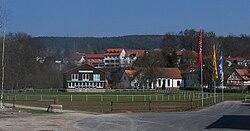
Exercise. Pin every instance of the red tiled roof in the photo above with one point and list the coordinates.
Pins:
(138, 53)
(238, 59)
(130, 73)
(114, 50)
(95, 61)
(244, 73)
(111, 54)
(174, 73)
(95, 56)
(186, 53)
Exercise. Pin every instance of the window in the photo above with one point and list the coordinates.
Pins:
(178, 83)
(159, 82)
(85, 76)
(124, 78)
(112, 61)
(96, 77)
(168, 82)
(74, 76)
(106, 61)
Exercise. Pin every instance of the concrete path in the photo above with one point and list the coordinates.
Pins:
(229, 115)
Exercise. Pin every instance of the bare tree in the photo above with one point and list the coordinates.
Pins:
(3, 24)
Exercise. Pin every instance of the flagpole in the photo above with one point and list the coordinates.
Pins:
(222, 78)
(202, 93)
(201, 69)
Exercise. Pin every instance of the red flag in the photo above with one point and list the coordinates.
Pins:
(200, 49)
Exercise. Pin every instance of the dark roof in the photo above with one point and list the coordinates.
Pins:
(82, 66)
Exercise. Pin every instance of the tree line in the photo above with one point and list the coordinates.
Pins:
(23, 71)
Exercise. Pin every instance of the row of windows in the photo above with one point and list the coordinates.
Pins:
(85, 84)
(96, 77)
(111, 56)
(168, 82)
(112, 61)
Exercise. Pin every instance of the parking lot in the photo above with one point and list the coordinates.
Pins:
(229, 115)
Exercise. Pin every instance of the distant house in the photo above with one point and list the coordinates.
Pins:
(96, 60)
(114, 58)
(240, 61)
(127, 79)
(78, 58)
(85, 78)
(167, 78)
(192, 76)
(132, 56)
(239, 77)
(186, 56)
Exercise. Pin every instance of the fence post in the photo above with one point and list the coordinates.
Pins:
(117, 98)
(191, 104)
(86, 98)
(144, 97)
(41, 97)
(132, 98)
(174, 97)
(14, 102)
(55, 100)
(168, 97)
(102, 98)
(156, 98)
(149, 106)
(162, 97)
(111, 106)
(71, 99)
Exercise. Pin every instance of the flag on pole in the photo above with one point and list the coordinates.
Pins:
(220, 68)
(200, 49)
(215, 64)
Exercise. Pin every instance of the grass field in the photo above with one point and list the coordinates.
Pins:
(122, 101)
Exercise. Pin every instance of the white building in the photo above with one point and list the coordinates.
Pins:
(166, 78)
(114, 58)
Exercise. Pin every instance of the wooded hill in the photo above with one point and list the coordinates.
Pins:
(99, 45)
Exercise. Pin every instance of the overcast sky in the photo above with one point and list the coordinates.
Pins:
(126, 17)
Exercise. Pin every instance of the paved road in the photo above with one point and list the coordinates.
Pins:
(230, 115)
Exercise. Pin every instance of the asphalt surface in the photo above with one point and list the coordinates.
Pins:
(229, 115)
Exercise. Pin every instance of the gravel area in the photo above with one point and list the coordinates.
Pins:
(14, 120)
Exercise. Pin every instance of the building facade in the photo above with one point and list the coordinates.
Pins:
(96, 60)
(239, 77)
(85, 78)
(166, 78)
(114, 58)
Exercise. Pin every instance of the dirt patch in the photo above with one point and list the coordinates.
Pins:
(11, 120)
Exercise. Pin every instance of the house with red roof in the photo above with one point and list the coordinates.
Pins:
(96, 60)
(132, 56)
(85, 78)
(114, 58)
(78, 58)
(241, 61)
(186, 57)
(166, 78)
(239, 78)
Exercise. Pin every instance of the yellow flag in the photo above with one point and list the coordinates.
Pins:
(215, 64)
